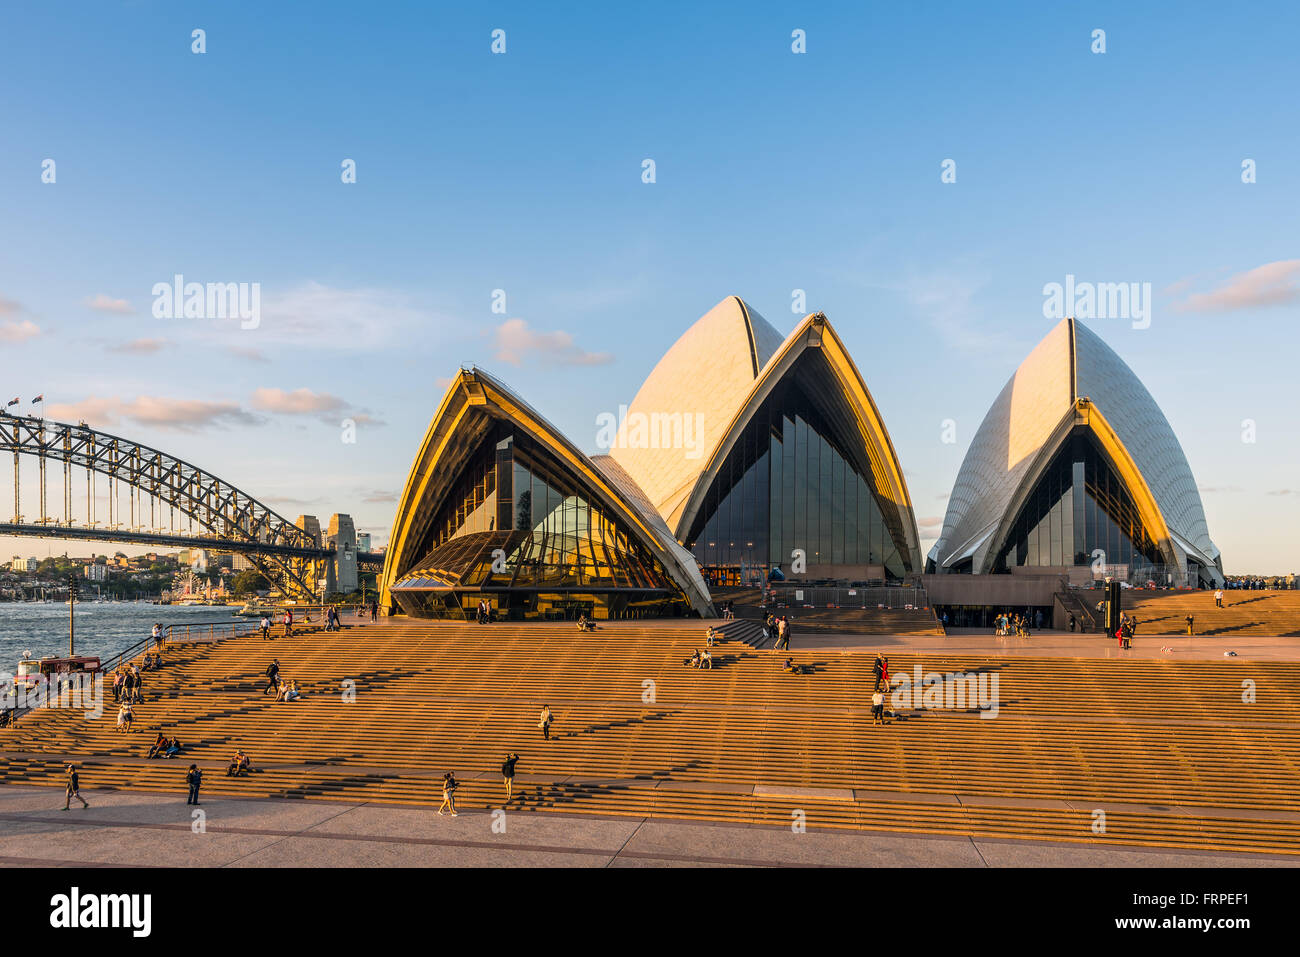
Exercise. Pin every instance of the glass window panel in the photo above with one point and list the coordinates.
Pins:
(775, 519)
(801, 538)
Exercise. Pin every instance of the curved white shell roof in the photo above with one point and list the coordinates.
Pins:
(706, 376)
(1071, 362)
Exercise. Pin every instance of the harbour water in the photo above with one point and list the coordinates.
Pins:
(103, 628)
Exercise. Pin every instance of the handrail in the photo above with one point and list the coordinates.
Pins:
(235, 628)
(1081, 610)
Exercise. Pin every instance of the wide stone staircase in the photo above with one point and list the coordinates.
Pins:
(1163, 753)
(821, 621)
(1245, 613)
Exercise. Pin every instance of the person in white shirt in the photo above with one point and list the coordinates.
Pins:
(878, 707)
(1218, 597)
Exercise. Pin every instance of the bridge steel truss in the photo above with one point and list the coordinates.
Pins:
(286, 554)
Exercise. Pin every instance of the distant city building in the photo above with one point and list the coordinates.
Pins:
(96, 573)
(23, 565)
(240, 563)
(363, 541)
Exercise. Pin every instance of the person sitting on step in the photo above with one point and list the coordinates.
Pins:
(173, 748)
(239, 765)
(706, 659)
(160, 745)
(291, 693)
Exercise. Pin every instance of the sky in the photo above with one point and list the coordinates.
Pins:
(522, 171)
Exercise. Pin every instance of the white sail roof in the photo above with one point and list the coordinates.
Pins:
(1070, 363)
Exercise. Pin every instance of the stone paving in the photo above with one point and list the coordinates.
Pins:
(136, 829)
(1055, 644)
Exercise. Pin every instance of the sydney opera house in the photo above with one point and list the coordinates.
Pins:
(741, 447)
(748, 455)
(1075, 466)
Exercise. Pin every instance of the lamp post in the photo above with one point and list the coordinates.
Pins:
(74, 591)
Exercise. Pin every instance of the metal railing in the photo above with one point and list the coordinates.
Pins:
(187, 631)
(875, 596)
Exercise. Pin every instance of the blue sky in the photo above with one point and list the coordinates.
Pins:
(522, 172)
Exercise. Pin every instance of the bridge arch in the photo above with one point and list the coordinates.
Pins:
(286, 554)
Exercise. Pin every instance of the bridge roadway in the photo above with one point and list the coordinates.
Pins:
(167, 539)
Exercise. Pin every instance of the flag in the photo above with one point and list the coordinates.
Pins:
(13, 401)
(39, 398)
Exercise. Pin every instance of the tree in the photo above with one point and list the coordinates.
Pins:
(248, 582)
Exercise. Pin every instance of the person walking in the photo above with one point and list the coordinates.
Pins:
(1218, 598)
(73, 789)
(1191, 622)
(272, 677)
(1071, 624)
(877, 707)
(266, 627)
(449, 785)
(288, 623)
(544, 721)
(194, 778)
(508, 772)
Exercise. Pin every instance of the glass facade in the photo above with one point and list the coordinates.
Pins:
(518, 531)
(791, 483)
(1080, 505)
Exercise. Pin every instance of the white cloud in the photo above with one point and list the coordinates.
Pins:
(1272, 284)
(166, 413)
(515, 342)
(105, 303)
(141, 347)
(330, 409)
(315, 316)
(18, 330)
(297, 402)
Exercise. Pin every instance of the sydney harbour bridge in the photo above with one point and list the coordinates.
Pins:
(152, 498)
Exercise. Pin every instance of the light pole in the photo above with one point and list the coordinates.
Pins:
(74, 591)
